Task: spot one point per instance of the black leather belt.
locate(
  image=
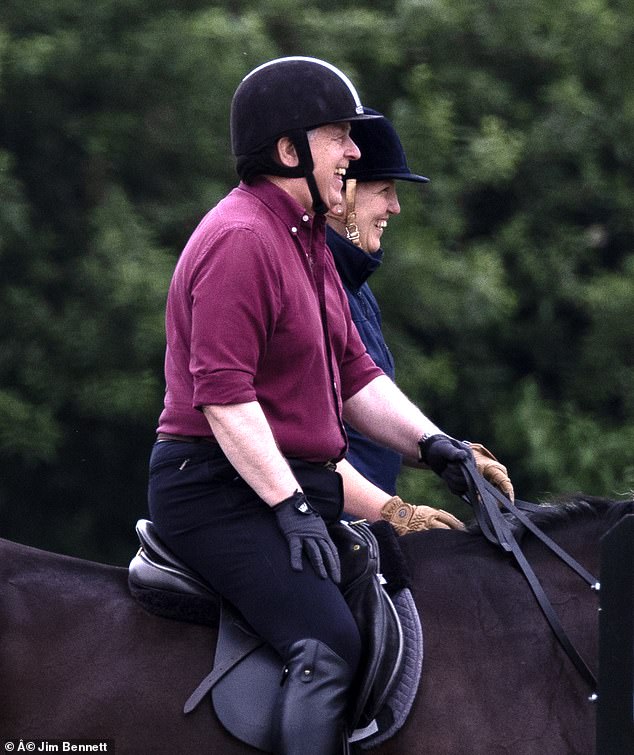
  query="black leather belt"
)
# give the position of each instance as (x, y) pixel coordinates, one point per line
(186, 438)
(329, 465)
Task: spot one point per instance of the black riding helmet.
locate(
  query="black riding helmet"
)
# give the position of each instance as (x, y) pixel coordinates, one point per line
(288, 97)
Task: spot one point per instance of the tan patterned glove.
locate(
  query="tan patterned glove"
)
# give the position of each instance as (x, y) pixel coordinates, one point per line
(407, 518)
(492, 470)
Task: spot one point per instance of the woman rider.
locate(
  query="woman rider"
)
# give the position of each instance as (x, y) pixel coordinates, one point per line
(354, 236)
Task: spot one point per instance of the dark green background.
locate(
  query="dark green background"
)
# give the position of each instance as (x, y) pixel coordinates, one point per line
(507, 288)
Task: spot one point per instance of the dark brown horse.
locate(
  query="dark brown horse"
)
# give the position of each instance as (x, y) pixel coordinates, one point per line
(79, 659)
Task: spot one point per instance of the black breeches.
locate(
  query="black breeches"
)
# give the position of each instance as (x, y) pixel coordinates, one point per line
(217, 525)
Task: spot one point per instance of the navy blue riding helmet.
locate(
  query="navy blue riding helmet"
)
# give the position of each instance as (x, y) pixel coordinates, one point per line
(382, 154)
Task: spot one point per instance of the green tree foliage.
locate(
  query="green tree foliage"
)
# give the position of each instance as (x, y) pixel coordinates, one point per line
(528, 138)
(114, 140)
(506, 288)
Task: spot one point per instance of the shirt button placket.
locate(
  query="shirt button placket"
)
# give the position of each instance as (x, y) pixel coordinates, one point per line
(294, 229)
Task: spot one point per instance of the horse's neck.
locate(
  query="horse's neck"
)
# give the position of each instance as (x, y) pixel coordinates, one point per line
(451, 558)
(580, 539)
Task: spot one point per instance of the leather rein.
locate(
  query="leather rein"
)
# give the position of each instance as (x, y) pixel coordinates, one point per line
(487, 503)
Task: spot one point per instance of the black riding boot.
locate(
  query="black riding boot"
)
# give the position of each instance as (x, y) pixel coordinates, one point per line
(312, 702)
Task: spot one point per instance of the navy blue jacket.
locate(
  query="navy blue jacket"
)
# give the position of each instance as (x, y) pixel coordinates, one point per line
(378, 464)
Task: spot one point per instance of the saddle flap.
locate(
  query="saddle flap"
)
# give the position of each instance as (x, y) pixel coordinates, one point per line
(390, 658)
(244, 682)
(375, 615)
(254, 682)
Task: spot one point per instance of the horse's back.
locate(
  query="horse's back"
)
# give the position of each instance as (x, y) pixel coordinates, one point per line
(79, 659)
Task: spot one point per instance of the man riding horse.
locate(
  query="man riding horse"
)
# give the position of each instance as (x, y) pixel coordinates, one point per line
(263, 366)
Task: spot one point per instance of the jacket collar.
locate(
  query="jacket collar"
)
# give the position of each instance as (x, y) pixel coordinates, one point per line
(353, 264)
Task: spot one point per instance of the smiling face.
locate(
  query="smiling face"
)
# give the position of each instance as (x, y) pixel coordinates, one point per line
(375, 203)
(332, 150)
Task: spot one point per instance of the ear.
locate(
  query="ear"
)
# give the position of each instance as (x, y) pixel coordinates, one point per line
(286, 152)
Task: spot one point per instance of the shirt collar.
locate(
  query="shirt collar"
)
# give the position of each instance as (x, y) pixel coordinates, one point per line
(353, 264)
(280, 202)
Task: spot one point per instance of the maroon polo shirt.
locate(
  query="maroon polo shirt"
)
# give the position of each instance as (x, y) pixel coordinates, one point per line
(244, 324)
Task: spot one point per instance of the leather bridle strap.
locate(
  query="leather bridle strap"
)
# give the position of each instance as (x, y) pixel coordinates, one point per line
(517, 509)
(485, 500)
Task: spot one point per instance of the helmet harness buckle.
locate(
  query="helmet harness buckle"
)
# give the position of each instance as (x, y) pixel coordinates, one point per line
(352, 229)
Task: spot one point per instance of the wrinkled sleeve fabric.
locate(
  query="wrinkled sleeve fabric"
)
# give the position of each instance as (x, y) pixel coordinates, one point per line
(235, 302)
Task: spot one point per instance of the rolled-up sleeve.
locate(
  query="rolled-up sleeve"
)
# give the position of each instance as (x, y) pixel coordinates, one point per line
(235, 302)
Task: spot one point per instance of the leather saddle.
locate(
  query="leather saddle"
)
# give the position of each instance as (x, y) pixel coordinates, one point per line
(248, 669)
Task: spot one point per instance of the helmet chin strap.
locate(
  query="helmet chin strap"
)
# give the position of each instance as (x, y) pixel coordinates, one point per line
(263, 163)
(352, 229)
(299, 137)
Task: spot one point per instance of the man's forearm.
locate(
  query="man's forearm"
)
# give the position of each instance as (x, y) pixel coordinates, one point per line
(381, 411)
(246, 438)
(362, 499)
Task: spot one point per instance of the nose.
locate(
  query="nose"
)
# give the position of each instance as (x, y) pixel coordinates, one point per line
(393, 206)
(352, 151)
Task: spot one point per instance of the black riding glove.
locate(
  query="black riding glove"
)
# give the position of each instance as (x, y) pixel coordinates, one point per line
(306, 530)
(444, 455)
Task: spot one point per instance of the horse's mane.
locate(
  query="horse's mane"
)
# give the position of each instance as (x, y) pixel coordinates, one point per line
(573, 508)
